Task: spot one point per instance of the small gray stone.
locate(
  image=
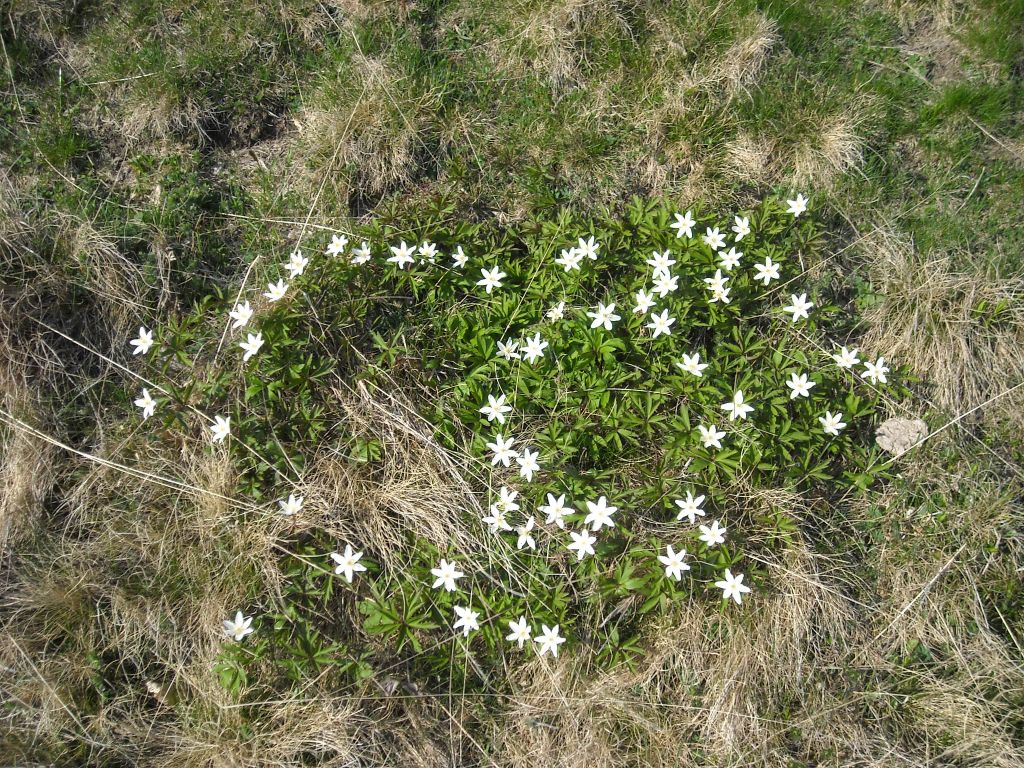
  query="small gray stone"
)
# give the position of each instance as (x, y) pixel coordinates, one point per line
(897, 436)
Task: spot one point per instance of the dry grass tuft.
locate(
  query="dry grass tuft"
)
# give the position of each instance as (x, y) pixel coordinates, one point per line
(835, 149)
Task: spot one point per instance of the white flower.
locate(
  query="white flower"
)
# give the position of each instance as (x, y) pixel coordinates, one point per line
(459, 257)
(710, 436)
(732, 586)
(533, 349)
(644, 301)
(241, 314)
(875, 372)
(570, 259)
(402, 255)
(666, 284)
(583, 543)
(337, 245)
(428, 251)
(605, 315)
(690, 507)
(502, 450)
(712, 535)
(221, 428)
(713, 238)
(847, 358)
(362, 254)
(507, 499)
(239, 627)
(468, 620)
(549, 640)
(831, 424)
(684, 225)
(143, 342)
(741, 227)
(588, 248)
(508, 349)
(557, 312)
(692, 364)
(147, 404)
(251, 345)
(348, 563)
(720, 294)
(519, 632)
(799, 306)
(768, 271)
(661, 263)
(600, 514)
(661, 324)
(716, 283)
(296, 264)
(797, 206)
(736, 408)
(276, 291)
(528, 464)
(523, 531)
(800, 386)
(292, 506)
(674, 563)
(491, 278)
(496, 409)
(555, 509)
(731, 260)
(446, 575)
(496, 521)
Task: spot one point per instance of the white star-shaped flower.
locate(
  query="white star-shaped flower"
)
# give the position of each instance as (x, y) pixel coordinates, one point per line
(600, 514)
(523, 532)
(445, 575)
(741, 227)
(509, 350)
(147, 404)
(720, 294)
(402, 255)
(661, 263)
(716, 283)
(491, 278)
(588, 248)
(684, 224)
(713, 238)
(507, 499)
(459, 257)
(605, 315)
(732, 586)
(502, 449)
(519, 632)
(496, 521)
(570, 259)
(692, 365)
(666, 284)
(348, 563)
(556, 510)
(251, 345)
(296, 264)
(644, 302)
(737, 408)
(800, 386)
(533, 349)
(143, 343)
(239, 627)
(528, 464)
(768, 271)
(661, 324)
(875, 372)
(831, 423)
(582, 543)
(276, 291)
(496, 409)
(557, 312)
(847, 358)
(241, 314)
(713, 534)
(674, 563)
(291, 506)
(362, 254)
(710, 437)
(799, 306)
(731, 260)
(797, 205)
(690, 507)
(468, 621)
(428, 251)
(337, 245)
(549, 640)
(221, 428)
